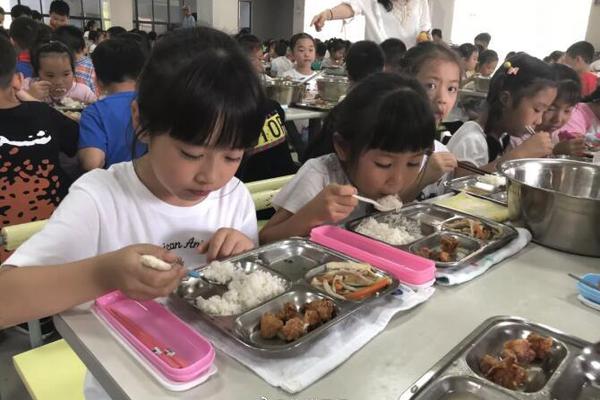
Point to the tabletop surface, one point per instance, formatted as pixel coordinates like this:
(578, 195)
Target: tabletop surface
(293, 114)
(533, 285)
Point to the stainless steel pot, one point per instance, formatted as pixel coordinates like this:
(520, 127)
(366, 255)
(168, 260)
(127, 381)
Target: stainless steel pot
(558, 200)
(285, 91)
(331, 88)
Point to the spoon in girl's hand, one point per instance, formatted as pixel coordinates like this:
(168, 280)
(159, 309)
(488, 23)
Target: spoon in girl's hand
(160, 265)
(386, 203)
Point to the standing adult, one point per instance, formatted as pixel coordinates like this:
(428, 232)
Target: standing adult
(188, 19)
(384, 19)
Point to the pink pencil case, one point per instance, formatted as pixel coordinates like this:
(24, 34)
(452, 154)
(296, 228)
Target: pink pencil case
(195, 354)
(406, 267)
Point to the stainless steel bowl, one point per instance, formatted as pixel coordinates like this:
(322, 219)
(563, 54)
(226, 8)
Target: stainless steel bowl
(558, 200)
(331, 88)
(285, 91)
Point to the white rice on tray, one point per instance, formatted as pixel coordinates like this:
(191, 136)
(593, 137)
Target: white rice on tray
(244, 291)
(403, 232)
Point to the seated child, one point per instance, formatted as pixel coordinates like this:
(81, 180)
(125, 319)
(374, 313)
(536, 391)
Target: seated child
(271, 157)
(337, 53)
(364, 58)
(23, 34)
(487, 63)
(54, 77)
(584, 123)
(303, 50)
(31, 135)
(281, 64)
(469, 56)
(520, 92)
(59, 14)
(393, 50)
(106, 134)
(438, 69)
(84, 69)
(579, 57)
(372, 144)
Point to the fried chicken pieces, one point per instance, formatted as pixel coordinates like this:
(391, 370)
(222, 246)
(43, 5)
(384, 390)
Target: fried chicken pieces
(290, 324)
(447, 253)
(508, 370)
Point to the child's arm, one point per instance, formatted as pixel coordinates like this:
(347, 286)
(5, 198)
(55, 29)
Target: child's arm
(92, 140)
(437, 165)
(331, 205)
(28, 293)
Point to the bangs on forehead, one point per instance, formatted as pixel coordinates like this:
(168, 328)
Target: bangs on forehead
(209, 98)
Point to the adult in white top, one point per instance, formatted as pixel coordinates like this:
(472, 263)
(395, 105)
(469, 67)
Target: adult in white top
(384, 19)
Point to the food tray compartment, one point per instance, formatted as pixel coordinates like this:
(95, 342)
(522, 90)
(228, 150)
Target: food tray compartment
(452, 225)
(395, 219)
(462, 388)
(193, 287)
(380, 274)
(293, 258)
(573, 385)
(467, 248)
(247, 327)
(492, 343)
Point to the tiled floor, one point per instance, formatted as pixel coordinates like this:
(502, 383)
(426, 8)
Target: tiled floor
(11, 343)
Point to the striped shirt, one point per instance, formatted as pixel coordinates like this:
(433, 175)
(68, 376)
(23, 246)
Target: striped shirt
(84, 73)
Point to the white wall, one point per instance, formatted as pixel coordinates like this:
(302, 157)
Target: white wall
(442, 14)
(121, 13)
(593, 31)
(225, 15)
(522, 25)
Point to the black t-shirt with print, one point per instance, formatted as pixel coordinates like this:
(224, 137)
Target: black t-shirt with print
(32, 182)
(271, 157)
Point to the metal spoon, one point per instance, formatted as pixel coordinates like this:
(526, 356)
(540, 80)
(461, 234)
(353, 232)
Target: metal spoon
(378, 206)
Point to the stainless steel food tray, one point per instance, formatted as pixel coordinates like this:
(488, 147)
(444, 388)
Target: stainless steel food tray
(457, 375)
(296, 261)
(432, 220)
(499, 195)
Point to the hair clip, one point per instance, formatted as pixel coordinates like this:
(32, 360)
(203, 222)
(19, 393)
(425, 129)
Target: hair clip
(510, 70)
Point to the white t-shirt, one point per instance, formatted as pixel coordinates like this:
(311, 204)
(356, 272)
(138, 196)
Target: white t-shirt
(106, 210)
(310, 180)
(468, 144)
(381, 24)
(280, 65)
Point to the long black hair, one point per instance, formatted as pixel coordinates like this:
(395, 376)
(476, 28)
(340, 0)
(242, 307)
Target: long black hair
(417, 56)
(594, 97)
(569, 85)
(387, 4)
(384, 111)
(199, 87)
(522, 76)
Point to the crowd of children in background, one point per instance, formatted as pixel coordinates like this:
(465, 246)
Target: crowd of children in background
(168, 128)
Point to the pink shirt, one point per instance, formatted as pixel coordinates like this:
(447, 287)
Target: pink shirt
(78, 92)
(583, 122)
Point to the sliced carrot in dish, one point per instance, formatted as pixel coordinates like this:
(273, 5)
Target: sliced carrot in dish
(369, 290)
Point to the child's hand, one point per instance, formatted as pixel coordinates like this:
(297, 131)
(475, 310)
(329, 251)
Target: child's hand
(539, 145)
(438, 165)
(40, 89)
(23, 95)
(572, 147)
(226, 242)
(124, 271)
(332, 204)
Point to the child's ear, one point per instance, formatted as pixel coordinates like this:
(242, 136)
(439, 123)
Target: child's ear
(506, 99)
(341, 147)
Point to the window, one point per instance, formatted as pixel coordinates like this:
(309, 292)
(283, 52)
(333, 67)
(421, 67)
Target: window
(81, 10)
(245, 16)
(156, 15)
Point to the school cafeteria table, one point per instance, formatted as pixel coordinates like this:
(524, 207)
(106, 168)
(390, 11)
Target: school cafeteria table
(533, 284)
